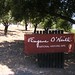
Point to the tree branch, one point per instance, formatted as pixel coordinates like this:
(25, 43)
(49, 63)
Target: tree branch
(63, 17)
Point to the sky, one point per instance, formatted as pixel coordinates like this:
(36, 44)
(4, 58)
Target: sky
(73, 26)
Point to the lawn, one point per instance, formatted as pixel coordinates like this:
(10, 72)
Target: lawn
(73, 30)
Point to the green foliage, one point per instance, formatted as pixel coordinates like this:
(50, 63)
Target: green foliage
(4, 7)
(39, 9)
(62, 24)
(47, 12)
(73, 30)
(48, 23)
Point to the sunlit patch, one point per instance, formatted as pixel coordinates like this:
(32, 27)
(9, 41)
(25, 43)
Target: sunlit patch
(1, 45)
(72, 62)
(5, 70)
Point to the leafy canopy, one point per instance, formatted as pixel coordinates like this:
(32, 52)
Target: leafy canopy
(38, 11)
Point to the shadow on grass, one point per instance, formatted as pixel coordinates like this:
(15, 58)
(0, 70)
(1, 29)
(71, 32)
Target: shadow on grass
(8, 33)
(12, 55)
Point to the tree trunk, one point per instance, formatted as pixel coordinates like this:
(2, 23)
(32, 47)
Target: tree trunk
(35, 26)
(26, 25)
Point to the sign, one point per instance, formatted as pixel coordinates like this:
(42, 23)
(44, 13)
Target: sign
(47, 43)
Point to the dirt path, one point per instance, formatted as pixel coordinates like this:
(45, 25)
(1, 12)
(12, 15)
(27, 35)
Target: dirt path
(13, 61)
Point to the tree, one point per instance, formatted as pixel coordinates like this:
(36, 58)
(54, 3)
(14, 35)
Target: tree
(5, 10)
(25, 9)
(37, 10)
(4, 7)
(19, 9)
(62, 24)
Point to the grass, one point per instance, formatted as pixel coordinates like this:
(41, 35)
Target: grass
(73, 30)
